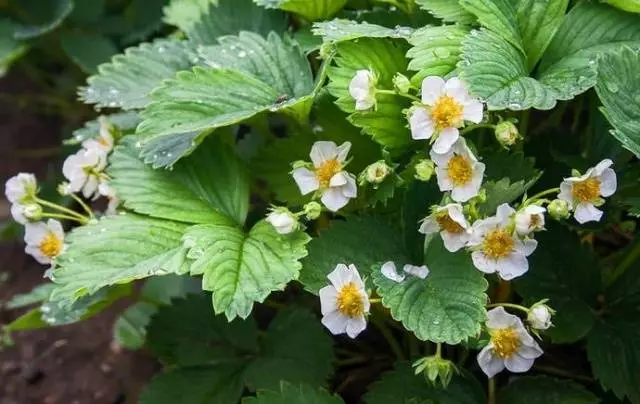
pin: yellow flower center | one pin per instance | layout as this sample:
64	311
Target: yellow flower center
350	302
587	190
326	171
447	224
497	244
447	113
506	342
460	170
51	245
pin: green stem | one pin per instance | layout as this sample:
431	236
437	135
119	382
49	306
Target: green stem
84	205
509	305
491	385
477	126
524	123
65	217
375	300
537	196
61	209
392	92
388	336
439	350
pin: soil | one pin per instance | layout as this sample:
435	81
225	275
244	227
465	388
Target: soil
74	364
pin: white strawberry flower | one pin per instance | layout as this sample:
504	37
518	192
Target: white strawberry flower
282	220
24	214
495	247
21	187
335	185
450	222
45	241
530	219
510	346
344	303
539	316
363	89
444	109
459	171
584	193
84	171
104	140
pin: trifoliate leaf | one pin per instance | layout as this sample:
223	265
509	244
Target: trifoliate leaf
230	17
618	84
126	122
569	65
130	328
568	275
311	10
88	50
545	390
496	16
241	268
538	21
362	241
185	13
289	394
402	386
448	11
435	51
41	16
346	30
128	79
387	124
448	306
117	249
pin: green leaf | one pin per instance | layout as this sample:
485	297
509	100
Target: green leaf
504	191
38	294
185	13
545	390
10	49
126	122
346	30
568	274
117	249
42	16
362	241
447	306
618	84
435	51
497	16
130	328
289	394
311	10
88	50
387	124
161	290
589	30
447	10
539	20
402	386
240	268
128	79
230	17
210	183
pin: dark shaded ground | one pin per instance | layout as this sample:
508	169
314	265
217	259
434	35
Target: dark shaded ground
75	364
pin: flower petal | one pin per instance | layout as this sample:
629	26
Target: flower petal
513	266
473	111
498	318
338	180
334	199
340	276
421	124
343	151
608	182
306	180
328	299
335	322
490	363
444	182
454	241
322	151
390	272
586	212
350	189
446	139
518	364
429	226
432	89
419	271
483	263
355	326
601	166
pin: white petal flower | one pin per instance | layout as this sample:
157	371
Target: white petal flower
390	272
530	219
20	187
84	170
363	89
24	214
282	220
419	271
336	186
497	249
449	220
584	193
104	141
445	107
510	346
344	303
540	317
45	241
459	171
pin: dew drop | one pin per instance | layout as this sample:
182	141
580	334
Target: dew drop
242	54
613	87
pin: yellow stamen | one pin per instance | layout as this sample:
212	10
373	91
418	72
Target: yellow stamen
497	244
326	171
350	301
447	113
460	170
587	190
506	342
447	224
51	245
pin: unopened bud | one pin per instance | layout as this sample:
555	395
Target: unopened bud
424	170
434	368
401	83
64	189
539	316
312	210
559	209
507	133
283	220
32	212
375	173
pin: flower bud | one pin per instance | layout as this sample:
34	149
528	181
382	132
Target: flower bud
64	189
375	173
283	220
424	170
539	316
559	209
434	368
33	212
312	210
401	83
507	133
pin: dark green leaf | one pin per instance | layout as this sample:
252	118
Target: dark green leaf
289	394
88	50
545	390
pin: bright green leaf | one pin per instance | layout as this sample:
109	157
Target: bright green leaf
289	394
241	269
311	10
185	13
346	30
447	306
447	10
497	16
545	390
